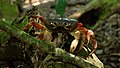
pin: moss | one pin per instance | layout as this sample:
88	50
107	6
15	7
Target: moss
8	10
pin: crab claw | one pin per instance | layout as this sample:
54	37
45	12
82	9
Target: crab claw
73	45
75	41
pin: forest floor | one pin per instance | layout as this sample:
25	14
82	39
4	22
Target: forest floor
107	34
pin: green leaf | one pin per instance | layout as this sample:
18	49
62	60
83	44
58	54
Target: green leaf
60	7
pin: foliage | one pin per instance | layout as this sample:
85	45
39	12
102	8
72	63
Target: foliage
60	7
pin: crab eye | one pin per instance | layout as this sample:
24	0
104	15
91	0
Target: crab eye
52	24
67	26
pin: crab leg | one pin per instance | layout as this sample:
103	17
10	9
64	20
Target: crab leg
89	34
40	18
34	24
94	43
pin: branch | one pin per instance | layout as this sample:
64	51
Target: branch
44	46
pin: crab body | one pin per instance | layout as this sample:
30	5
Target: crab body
61	25
64	26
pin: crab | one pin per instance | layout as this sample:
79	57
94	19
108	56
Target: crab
64	26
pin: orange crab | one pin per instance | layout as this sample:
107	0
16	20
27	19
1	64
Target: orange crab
64	25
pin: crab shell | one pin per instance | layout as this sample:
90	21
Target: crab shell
61	25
